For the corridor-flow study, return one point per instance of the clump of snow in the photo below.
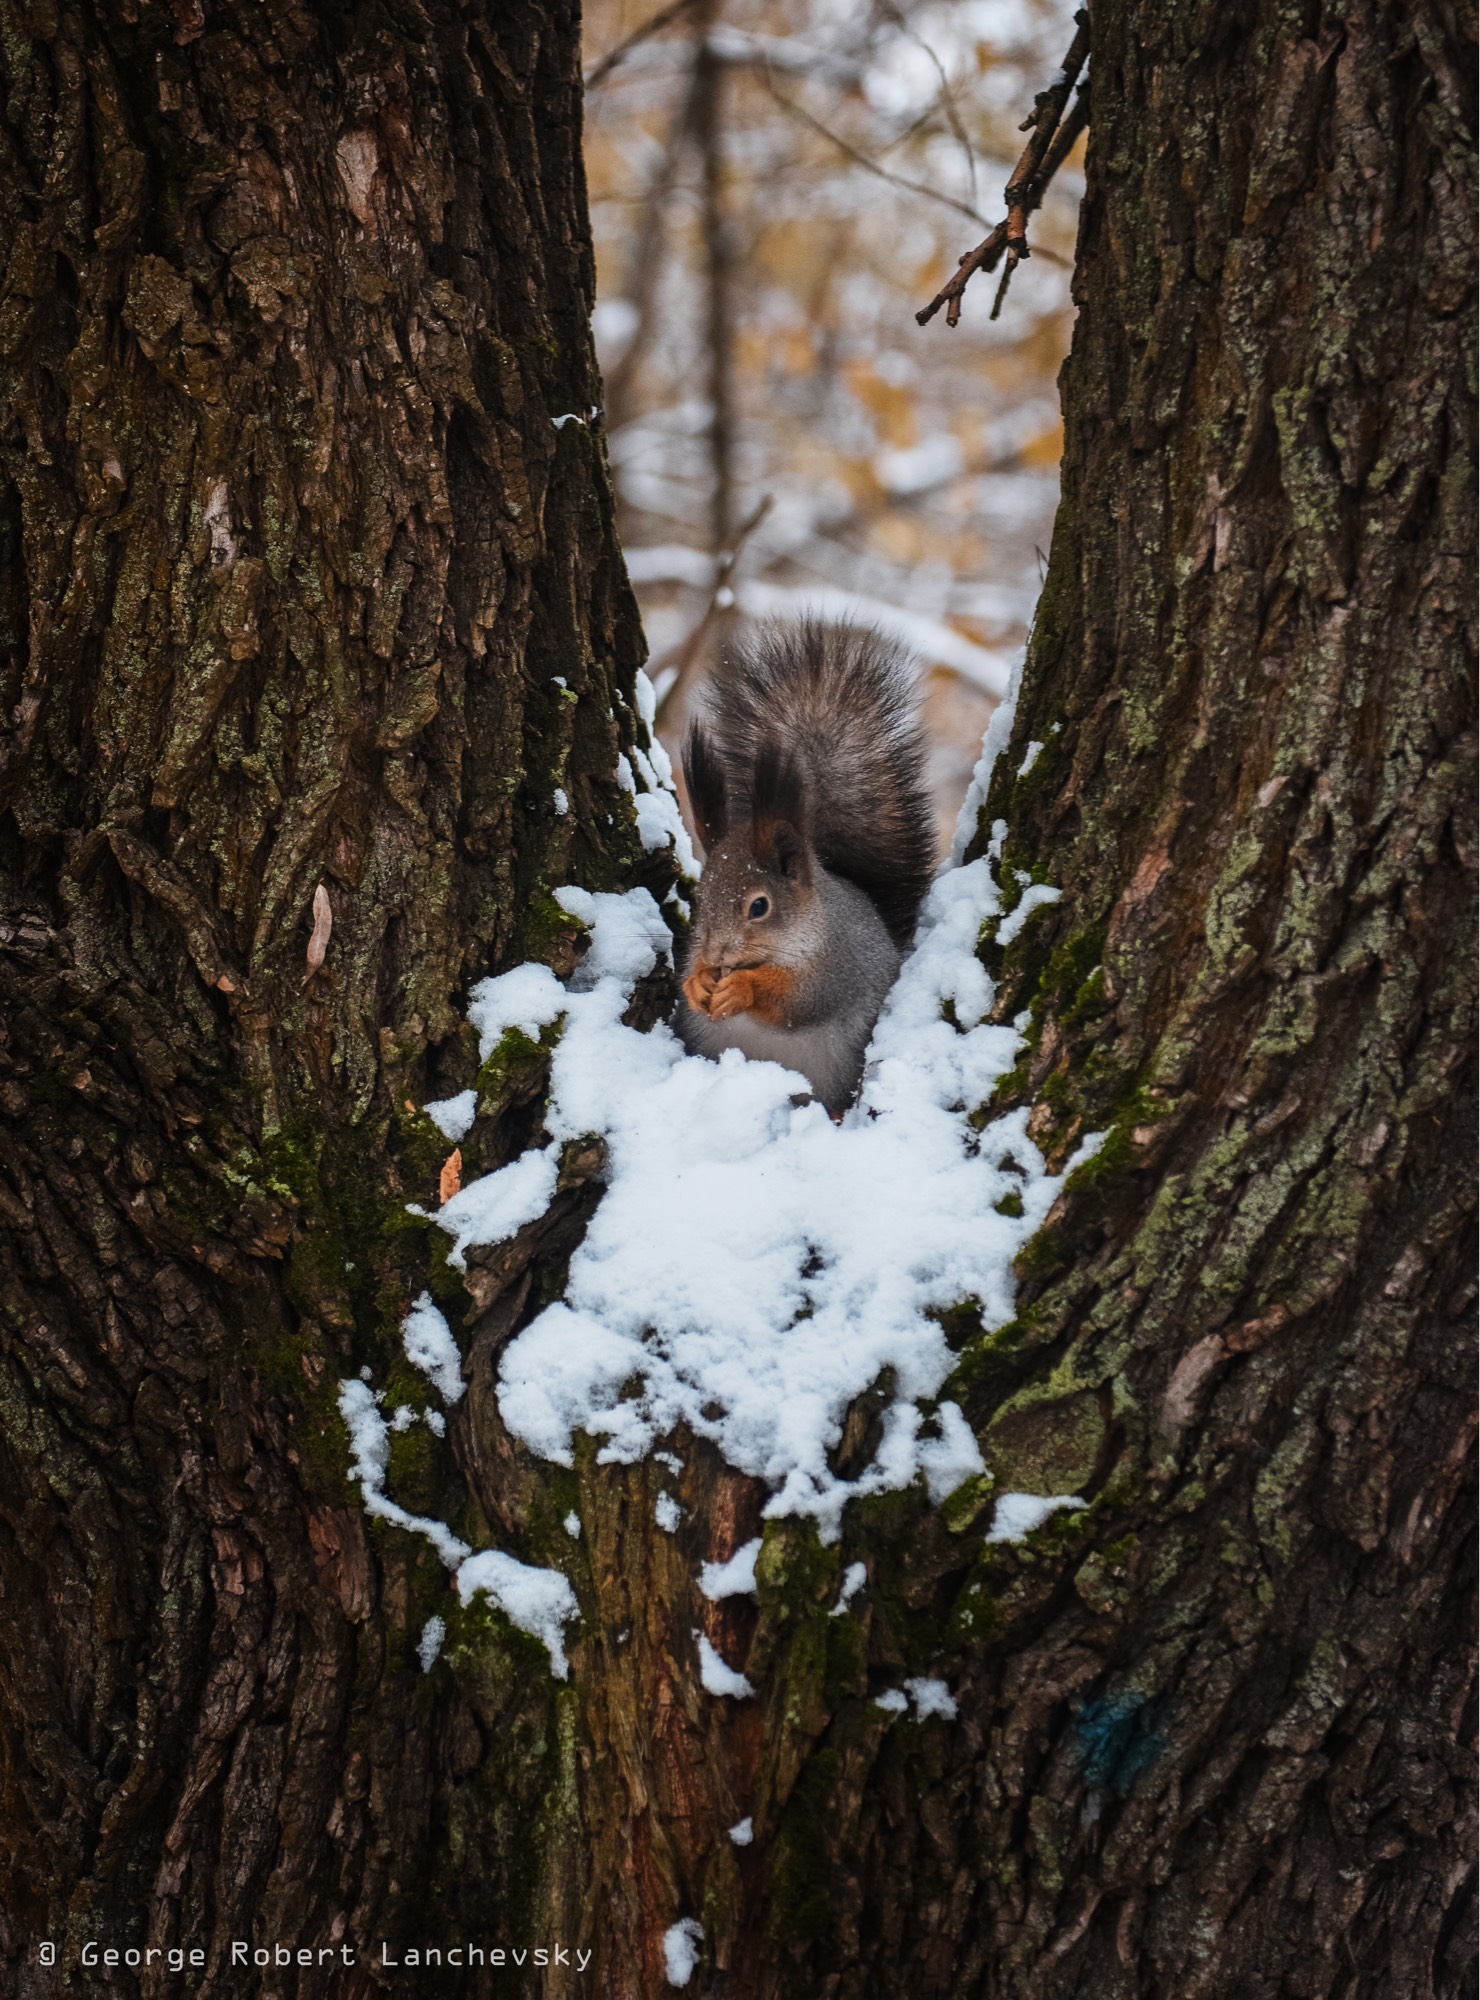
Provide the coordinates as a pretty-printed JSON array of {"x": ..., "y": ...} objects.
[
  {"x": 573, "y": 1526},
  {"x": 453, "y": 1116},
  {"x": 430, "y": 1643},
  {"x": 855, "y": 1576},
  {"x": 1030, "y": 757},
  {"x": 735, "y": 1578},
  {"x": 667, "y": 1513},
  {"x": 370, "y": 1452},
  {"x": 1018, "y": 1514},
  {"x": 561, "y": 802},
  {"x": 742, "y": 1833},
  {"x": 659, "y": 824},
  {"x": 538, "y": 1601},
  {"x": 429, "y": 1345},
  {"x": 681, "y": 1950},
  {"x": 931, "y": 1698},
  {"x": 1032, "y": 899},
  {"x": 655, "y": 802},
  {"x": 496, "y": 1206},
  {"x": 715, "y": 1676}
]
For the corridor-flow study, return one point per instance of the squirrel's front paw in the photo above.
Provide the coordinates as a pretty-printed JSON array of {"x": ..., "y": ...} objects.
[
  {"x": 763, "y": 990},
  {"x": 698, "y": 988},
  {"x": 734, "y": 994}
]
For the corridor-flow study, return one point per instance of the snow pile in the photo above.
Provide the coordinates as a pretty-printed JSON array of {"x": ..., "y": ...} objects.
[
  {"x": 752, "y": 1266},
  {"x": 536, "y": 1600}
]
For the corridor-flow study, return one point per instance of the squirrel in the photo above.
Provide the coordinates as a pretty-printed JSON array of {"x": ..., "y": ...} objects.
[{"x": 806, "y": 785}]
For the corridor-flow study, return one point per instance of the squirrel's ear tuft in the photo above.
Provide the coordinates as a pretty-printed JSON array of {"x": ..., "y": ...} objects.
[
  {"x": 704, "y": 778},
  {"x": 778, "y": 814}
]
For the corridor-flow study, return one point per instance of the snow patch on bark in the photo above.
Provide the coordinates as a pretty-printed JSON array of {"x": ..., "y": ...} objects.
[
  {"x": 716, "y": 1676},
  {"x": 538, "y": 1601},
  {"x": 855, "y": 1576},
  {"x": 453, "y": 1116},
  {"x": 429, "y": 1345},
  {"x": 681, "y": 1944},
  {"x": 735, "y": 1578},
  {"x": 1018, "y": 1514},
  {"x": 430, "y": 1643}
]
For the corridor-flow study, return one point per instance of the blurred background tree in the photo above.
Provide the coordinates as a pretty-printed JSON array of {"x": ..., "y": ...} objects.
[{"x": 776, "y": 189}]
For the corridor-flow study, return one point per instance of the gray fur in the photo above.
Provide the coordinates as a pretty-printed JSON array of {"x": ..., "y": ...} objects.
[
  {"x": 822, "y": 719},
  {"x": 856, "y": 963},
  {"x": 840, "y": 702}
]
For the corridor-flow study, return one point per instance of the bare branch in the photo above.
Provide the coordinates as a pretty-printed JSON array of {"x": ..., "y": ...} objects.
[
  {"x": 645, "y": 266},
  {"x": 946, "y": 101},
  {"x": 1048, "y": 110},
  {"x": 801, "y": 113},
  {"x": 664, "y": 18},
  {"x": 721, "y": 599},
  {"x": 1053, "y": 138},
  {"x": 709, "y": 116}
]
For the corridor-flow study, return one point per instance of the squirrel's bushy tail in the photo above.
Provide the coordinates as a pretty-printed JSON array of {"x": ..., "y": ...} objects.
[{"x": 838, "y": 703}]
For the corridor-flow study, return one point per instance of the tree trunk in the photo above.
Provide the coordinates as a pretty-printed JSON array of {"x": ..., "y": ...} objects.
[
  {"x": 294, "y": 553},
  {"x": 309, "y": 581},
  {"x": 1207, "y": 1742}
]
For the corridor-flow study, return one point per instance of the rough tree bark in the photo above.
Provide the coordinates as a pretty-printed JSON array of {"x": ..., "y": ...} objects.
[
  {"x": 302, "y": 585},
  {"x": 293, "y": 555},
  {"x": 1208, "y": 1730}
]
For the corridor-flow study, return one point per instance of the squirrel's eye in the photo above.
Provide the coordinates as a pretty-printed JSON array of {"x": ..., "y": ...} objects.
[{"x": 758, "y": 906}]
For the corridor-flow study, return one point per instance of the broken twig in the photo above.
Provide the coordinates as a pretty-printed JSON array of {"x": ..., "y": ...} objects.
[
  {"x": 1053, "y": 138},
  {"x": 721, "y": 601}
]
